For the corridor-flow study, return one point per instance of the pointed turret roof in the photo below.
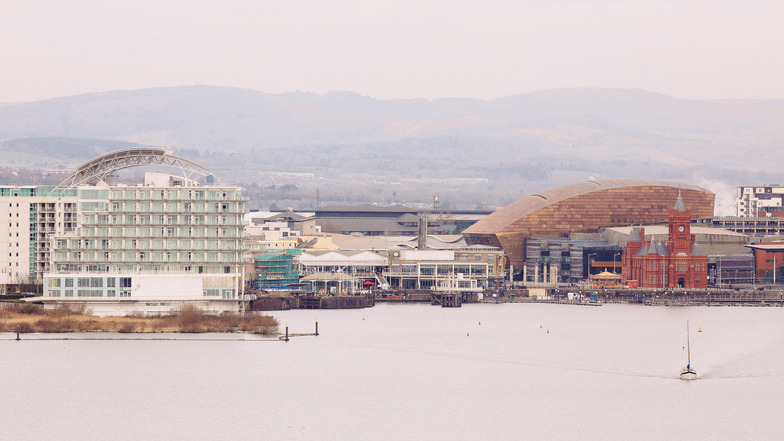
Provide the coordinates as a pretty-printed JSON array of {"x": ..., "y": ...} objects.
[
  {"x": 679, "y": 205},
  {"x": 696, "y": 251},
  {"x": 634, "y": 234}
]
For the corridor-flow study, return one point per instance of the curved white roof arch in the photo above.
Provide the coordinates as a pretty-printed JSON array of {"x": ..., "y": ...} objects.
[{"x": 99, "y": 168}]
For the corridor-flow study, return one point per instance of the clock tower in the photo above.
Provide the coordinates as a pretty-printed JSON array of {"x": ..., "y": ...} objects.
[
  {"x": 680, "y": 240},
  {"x": 678, "y": 263}
]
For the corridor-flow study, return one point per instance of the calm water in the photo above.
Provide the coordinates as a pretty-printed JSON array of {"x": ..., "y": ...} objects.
[{"x": 401, "y": 372}]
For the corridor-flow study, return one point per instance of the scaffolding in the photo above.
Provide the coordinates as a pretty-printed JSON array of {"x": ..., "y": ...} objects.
[{"x": 277, "y": 269}]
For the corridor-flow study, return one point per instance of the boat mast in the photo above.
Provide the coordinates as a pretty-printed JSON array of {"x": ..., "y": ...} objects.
[{"x": 688, "y": 347}]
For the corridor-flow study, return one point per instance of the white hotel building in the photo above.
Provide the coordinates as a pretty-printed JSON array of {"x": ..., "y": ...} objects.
[{"x": 146, "y": 248}]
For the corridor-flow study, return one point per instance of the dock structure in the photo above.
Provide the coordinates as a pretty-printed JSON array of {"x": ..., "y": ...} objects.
[
  {"x": 711, "y": 296},
  {"x": 453, "y": 299},
  {"x": 285, "y": 302},
  {"x": 448, "y": 300}
]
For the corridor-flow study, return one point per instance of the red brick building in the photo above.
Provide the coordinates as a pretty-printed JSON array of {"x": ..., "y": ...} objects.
[
  {"x": 768, "y": 260},
  {"x": 678, "y": 262}
]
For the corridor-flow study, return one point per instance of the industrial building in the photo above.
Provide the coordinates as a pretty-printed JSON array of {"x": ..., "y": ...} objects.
[{"x": 395, "y": 220}]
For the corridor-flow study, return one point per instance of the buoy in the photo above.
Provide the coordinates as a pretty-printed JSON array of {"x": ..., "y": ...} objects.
[
  {"x": 699, "y": 330},
  {"x": 480, "y": 323},
  {"x": 540, "y": 326},
  {"x": 548, "y": 331},
  {"x": 468, "y": 334}
]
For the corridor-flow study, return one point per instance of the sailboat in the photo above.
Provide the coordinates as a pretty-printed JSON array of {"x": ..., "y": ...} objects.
[{"x": 688, "y": 373}]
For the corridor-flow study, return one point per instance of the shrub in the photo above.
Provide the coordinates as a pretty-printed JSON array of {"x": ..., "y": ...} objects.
[
  {"x": 85, "y": 325},
  {"x": 260, "y": 324},
  {"x": 26, "y": 308},
  {"x": 126, "y": 328},
  {"x": 190, "y": 319},
  {"x": 49, "y": 325}
]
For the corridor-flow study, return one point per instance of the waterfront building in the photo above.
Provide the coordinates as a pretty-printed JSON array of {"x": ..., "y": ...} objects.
[
  {"x": 395, "y": 220},
  {"x": 429, "y": 269},
  {"x": 586, "y": 207},
  {"x": 276, "y": 269},
  {"x": 151, "y": 247},
  {"x": 752, "y": 226},
  {"x": 738, "y": 269},
  {"x": 768, "y": 260},
  {"x": 365, "y": 267},
  {"x": 304, "y": 223},
  {"x": 29, "y": 217},
  {"x": 272, "y": 235},
  {"x": 553, "y": 260},
  {"x": 760, "y": 201},
  {"x": 712, "y": 241},
  {"x": 676, "y": 263}
]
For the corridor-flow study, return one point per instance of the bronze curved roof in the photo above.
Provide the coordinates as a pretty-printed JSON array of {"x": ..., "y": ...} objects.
[{"x": 513, "y": 212}]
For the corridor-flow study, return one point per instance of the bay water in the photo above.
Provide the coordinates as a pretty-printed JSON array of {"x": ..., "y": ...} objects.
[{"x": 408, "y": 371}]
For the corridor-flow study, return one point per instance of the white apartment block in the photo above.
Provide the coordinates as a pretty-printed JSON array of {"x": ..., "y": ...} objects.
[
  {"x": 759, "y": 201},
  {"x": 149, "y": 248},
  {"x": 29, "y": 217}
]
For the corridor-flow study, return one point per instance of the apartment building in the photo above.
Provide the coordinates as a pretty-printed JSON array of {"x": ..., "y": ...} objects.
[
  {"x": 760, "y": 201},
  {"x": 29, "y": 217}
]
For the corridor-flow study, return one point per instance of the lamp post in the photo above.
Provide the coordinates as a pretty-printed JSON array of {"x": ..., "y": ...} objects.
[
  {"x": 614, "y": 254},
  {"x": 590, "y": 262},
  {"x": 719, "y": 262}
]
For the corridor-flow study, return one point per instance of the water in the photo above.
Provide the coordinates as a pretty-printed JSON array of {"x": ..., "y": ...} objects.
[{"x": 400, "y": 372}]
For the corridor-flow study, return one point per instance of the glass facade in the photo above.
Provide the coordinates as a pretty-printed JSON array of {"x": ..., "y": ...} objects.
[{"x": 154, "y": 230}]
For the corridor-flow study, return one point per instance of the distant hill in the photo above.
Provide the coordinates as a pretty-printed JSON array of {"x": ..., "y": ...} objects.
[
  {"x": 204, "y": 117},
  {"x": 526, "y": 141}
]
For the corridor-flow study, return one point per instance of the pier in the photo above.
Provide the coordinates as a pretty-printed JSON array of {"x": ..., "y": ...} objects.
[{"x": 286, "y": 302}]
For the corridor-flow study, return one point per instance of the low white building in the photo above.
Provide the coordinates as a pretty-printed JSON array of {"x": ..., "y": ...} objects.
[
  {"x": 434, "y": 269},
  {"x": 364, "y": 266},
  {"x": 141, "y": 293}
]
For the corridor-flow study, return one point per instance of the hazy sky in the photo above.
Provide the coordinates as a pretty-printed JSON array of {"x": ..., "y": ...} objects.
[{"x": 394, "y": 49}]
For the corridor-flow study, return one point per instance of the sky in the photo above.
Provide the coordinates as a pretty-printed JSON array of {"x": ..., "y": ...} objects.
[{"x": 695, "y": 49}]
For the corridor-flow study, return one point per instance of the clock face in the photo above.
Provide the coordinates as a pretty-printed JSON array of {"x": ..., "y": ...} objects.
[{"x": 680, "y": 228}]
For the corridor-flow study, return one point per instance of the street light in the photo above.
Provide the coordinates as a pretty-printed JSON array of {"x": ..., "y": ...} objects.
[
  {"x": 614, "y": 254},
  {"x": 590, "y": 263}
]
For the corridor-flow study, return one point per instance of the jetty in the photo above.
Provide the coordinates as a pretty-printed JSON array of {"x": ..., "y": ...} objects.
[{"x": 280, "y": 302}]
